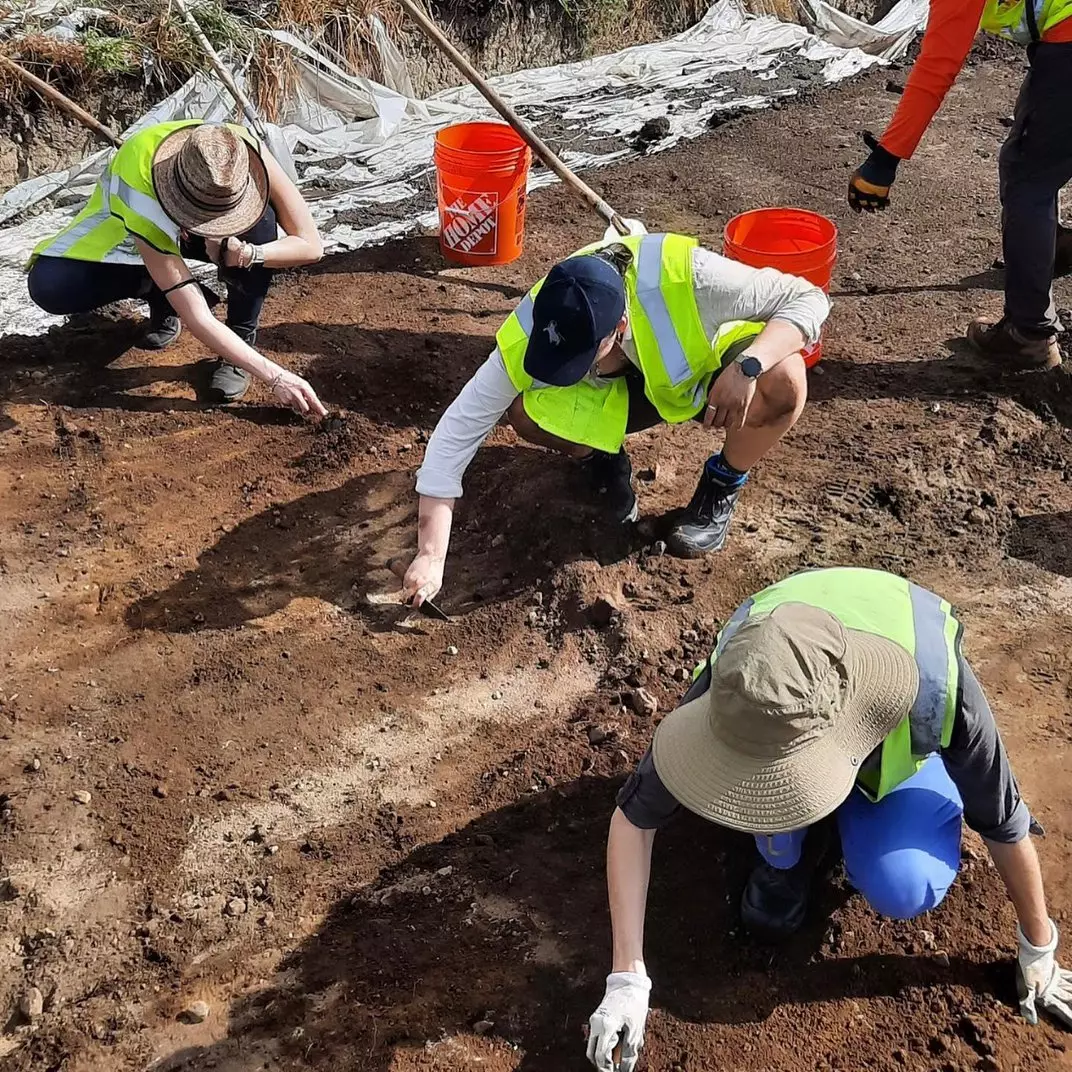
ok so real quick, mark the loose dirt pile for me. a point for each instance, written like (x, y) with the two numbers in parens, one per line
(251, 822)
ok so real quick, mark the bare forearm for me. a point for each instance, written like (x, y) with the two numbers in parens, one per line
(777, 341)
(292, 251)
(628, 871)
(1018, 866)
(433, 526)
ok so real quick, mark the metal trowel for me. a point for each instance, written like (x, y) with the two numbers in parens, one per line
(398, 567)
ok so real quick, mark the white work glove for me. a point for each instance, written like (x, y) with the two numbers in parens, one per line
(293, 391)
(1042, 983)
(619, 1018)
(635, 228)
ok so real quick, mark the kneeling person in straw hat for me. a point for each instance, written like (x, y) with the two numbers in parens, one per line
(187, 189)
(837, 693)
(618, 338)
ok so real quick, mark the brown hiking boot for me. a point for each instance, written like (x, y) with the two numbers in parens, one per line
(1000, 340)
(1062, 258)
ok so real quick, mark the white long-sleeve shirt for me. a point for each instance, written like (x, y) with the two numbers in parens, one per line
(725, 291)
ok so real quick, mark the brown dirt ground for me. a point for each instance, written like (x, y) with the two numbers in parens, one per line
(416, 836)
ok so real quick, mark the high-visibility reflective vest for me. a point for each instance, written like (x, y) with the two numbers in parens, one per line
(884, 605)
(674, 353)
(1013, 19)
(123, 206)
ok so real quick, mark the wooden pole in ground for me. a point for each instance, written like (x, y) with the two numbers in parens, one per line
(68, 105)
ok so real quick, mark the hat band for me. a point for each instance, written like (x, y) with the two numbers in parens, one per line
(201, 200)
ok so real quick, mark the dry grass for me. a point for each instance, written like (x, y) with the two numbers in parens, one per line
(339, 28)
(786, 10)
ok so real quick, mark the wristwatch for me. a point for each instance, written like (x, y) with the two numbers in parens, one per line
(750, 366)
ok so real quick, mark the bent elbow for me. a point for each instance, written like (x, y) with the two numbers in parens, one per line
(315, 251)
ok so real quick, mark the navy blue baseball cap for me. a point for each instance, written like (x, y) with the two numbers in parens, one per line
(580, 303)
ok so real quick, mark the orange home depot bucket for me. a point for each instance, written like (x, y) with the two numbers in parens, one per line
(482, 172)
(792, 240)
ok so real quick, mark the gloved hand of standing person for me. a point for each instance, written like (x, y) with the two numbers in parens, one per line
(620, 1018)
(869, 187)
(1042, 983)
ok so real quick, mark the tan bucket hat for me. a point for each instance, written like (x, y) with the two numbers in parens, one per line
(210, 181)
(797, 703)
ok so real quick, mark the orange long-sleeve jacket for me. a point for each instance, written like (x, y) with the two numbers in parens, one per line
(951, 29)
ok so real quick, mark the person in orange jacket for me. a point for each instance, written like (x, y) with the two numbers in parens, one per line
(1035, 161)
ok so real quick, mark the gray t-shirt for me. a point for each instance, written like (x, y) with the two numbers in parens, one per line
(975, 759)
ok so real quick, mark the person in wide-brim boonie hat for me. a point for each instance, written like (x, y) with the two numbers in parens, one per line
(187, 189)
(835, 716)
(797, 702)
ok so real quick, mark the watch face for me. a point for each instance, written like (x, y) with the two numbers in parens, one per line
(751, 367)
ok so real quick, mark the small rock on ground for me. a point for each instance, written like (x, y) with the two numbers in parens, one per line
(32, 1003)
(80, 796)
(195, 1013)
(603, 611)
(236, 907)
(644, 703)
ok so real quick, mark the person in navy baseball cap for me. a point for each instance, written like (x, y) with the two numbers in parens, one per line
(620, 337)
(576, 315)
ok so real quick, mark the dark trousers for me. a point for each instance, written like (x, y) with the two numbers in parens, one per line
(63, 286)
(1035, 162)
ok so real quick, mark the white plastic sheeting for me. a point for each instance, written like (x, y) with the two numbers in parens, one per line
(360, 145)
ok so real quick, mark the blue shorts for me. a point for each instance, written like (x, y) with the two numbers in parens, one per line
(901, 853)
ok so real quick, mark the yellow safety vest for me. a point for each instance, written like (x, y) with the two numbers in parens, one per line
(675, 356)
(123, 206)
(884, 605)
(1013, 19)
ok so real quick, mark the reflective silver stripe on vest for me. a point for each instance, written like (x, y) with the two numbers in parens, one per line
(650, 296)
(66, 239)
(145, 206)
(734, 623)
(932, 660)
(524, 314)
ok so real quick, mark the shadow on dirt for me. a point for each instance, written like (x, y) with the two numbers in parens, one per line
(991, 279)
(396, 378)
(527, 514)
(69, 366)
(414, 255)
(962, 376)
(1043, 540)
(505, 922)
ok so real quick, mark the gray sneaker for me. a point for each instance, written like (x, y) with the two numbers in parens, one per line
(228, 383)
(161, 330)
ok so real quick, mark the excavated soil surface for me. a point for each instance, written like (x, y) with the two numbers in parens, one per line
(368, 843)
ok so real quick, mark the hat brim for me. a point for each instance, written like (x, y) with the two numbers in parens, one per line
(194, 218)
(556, 374)
(712, 777)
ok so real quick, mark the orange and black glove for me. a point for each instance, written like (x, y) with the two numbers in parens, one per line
(869, 187)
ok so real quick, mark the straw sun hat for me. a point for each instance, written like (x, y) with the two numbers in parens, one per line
(210, 181)
(797, 702)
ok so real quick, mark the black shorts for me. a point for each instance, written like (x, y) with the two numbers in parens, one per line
(642, 414)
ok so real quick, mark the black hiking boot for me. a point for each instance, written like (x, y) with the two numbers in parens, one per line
(706, 521)
(163, 328)
(612, 475)
(775, 902)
